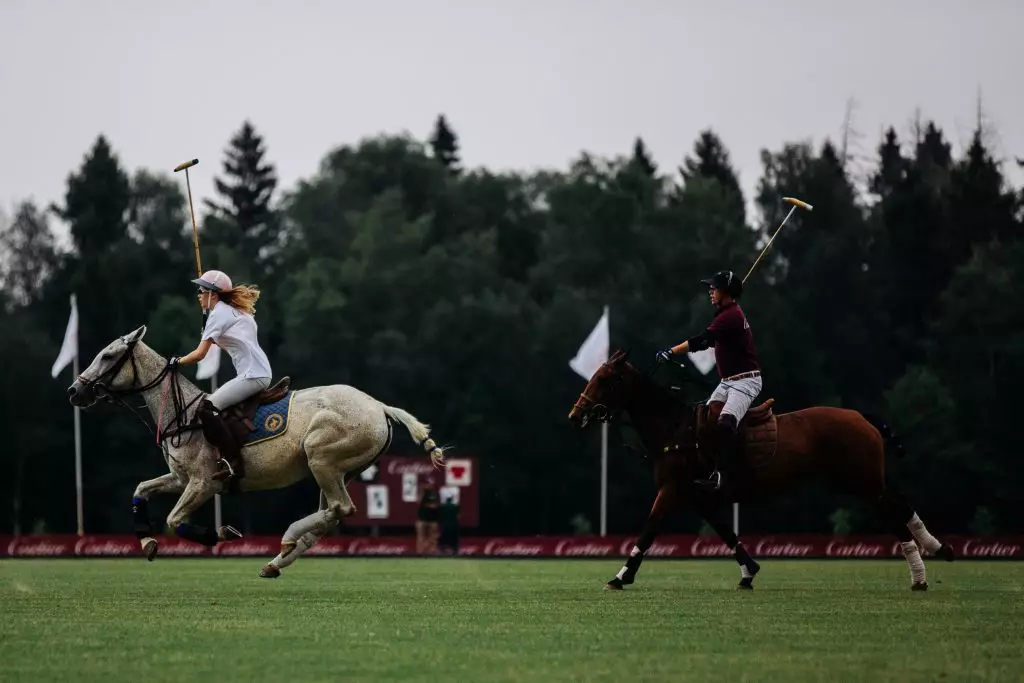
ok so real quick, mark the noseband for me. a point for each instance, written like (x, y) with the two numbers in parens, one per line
(97, 383)
(600, 411)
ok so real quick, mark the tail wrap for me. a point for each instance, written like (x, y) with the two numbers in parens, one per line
(419, 432)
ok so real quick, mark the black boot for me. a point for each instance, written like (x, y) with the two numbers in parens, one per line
(724, 453)
(219, 436)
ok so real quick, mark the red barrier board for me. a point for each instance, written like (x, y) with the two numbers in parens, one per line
(679, 546)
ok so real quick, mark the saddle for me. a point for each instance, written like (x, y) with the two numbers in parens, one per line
(757, 433)
(239, 417)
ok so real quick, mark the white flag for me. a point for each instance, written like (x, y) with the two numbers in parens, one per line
(208, 366)
(69, 349)
(594, 351)
(703, 360)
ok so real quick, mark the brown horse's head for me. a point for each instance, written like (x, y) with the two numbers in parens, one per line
(604, 394)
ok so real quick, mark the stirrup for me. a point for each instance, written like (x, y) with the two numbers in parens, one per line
(221, 474)
(712, 483)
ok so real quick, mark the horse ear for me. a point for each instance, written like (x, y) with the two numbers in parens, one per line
(618, 357)
(138, 334)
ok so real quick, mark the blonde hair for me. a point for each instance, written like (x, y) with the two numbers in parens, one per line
(242, 297)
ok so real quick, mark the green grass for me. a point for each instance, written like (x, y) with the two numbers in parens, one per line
(517, 620)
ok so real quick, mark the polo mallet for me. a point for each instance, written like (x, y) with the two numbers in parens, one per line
(184, 166)
(790, 200)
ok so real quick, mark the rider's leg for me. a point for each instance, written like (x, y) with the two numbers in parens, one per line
(739, 395)
(216, 431)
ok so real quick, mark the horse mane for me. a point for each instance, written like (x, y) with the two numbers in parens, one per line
(652, 391)
(150, 355)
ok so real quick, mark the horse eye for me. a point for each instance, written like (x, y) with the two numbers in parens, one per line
(106, 356)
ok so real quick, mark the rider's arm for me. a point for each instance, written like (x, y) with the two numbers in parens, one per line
(198, 354)
(702, 341)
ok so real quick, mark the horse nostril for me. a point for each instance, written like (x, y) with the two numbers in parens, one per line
(72, 391)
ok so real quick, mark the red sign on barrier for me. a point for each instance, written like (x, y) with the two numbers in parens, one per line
(612, 547)
(388, 494)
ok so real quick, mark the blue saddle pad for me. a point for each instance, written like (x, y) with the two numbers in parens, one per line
(271, 420)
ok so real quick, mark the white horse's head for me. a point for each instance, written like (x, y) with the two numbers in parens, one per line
(111, 369)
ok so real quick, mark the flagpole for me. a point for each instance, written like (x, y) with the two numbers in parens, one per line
(736, 519)
(604, 463)
(604, 478)
(78, 458)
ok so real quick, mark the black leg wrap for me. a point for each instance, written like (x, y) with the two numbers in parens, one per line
(198, 534)
(140, 515)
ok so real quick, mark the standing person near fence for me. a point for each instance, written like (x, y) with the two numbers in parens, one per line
(449, 520)
(426, 519)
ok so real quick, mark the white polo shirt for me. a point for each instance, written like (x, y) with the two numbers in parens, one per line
(235, 332)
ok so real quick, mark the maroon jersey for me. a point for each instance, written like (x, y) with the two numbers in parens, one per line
(730, 334)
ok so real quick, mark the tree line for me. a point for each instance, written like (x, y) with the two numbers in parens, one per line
(461, 293)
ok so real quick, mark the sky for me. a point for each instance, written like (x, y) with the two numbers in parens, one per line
(525, 84)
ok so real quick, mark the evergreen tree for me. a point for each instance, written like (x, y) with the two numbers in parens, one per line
(96, 202)
(641, 160)
(246, 194)
(710, 162)
(445, 145)
(982, 208)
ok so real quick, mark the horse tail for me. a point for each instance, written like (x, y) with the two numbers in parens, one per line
(419, 432)
(892, 441)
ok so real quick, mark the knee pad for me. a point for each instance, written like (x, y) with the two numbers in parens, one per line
(727, 422)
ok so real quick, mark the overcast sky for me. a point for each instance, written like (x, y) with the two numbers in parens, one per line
(525, 84)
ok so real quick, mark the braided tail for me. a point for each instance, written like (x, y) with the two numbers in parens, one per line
(419, 432)
(892, 441)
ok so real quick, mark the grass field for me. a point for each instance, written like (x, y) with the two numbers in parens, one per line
(518, 620)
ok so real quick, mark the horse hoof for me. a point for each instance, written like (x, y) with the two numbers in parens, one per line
(746, 584)
(614, 585)
(270, 572)
(945, 552)
(149, 547)
(919, 586)
(228, 533)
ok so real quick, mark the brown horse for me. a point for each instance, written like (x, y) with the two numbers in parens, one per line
(843, 447)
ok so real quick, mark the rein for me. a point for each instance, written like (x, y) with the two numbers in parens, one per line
(178, 425)
(600, 412)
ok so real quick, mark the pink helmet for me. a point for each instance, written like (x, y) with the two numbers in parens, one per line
(214, 280)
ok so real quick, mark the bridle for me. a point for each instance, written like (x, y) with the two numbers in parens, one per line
(591, 409)
(688, 437)
(177, 426)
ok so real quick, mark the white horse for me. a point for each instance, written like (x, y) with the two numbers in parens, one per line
(333, 433)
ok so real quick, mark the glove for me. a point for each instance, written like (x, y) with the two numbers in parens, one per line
(665, 355)
(174, 362)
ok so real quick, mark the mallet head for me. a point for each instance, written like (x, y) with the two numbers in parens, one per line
(791, 200)
(186, 164)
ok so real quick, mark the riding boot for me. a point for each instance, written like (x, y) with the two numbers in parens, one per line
(724, 454)
(217, 433)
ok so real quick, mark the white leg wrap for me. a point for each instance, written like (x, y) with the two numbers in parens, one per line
(745, 573)
(302, 545)
(319, 523)
(625, 568)
(924, 539)
(914, 561)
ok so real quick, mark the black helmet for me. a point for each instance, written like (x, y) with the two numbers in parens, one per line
(727, 281)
